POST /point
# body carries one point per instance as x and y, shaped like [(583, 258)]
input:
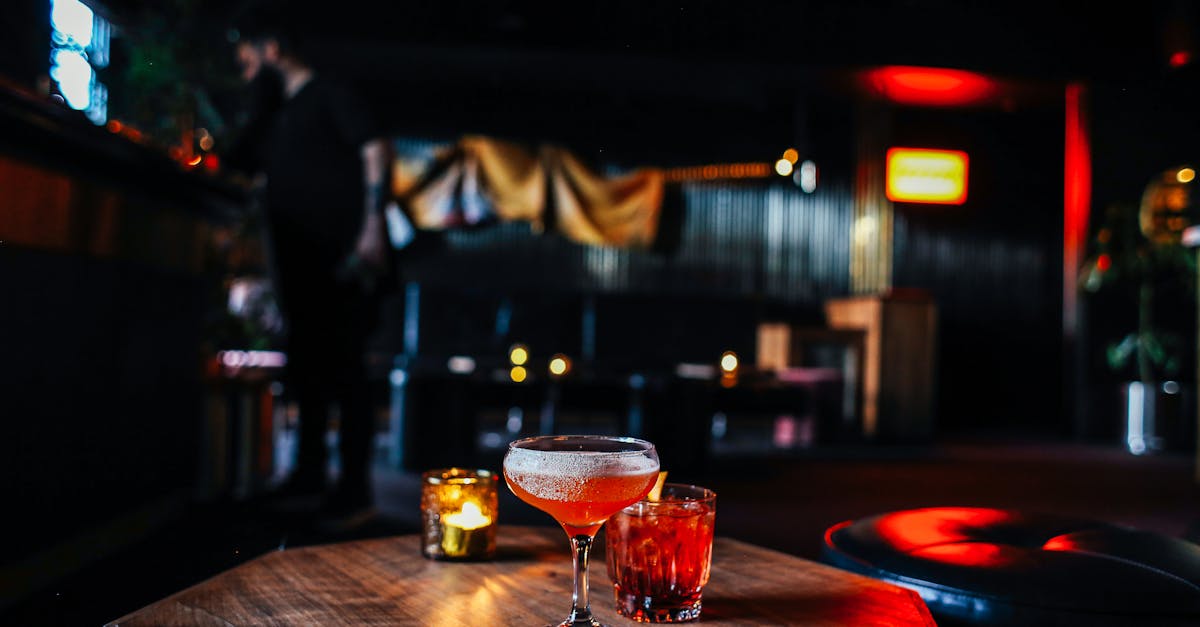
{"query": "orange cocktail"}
[(581, 504), (580, 480)]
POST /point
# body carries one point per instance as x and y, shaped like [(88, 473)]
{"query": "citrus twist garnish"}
[(656, 491)]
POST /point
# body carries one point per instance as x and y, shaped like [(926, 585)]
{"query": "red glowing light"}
[(978, 554), (930, 86), (1060, 543), (911, 530), (211, 162), (1077, 197), (834, 529), (1180, 58), (1103, 262)]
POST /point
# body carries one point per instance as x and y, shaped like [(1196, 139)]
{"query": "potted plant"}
[(176, 63), (1142, 266)]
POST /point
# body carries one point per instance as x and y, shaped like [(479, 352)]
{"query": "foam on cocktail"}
[(561, 476)]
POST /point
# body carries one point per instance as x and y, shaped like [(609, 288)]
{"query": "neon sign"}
[(925, 175)]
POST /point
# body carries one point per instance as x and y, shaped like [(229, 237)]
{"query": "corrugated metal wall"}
[(976, 274), (766, 240)]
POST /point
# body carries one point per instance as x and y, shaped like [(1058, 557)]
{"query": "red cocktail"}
[(660, 552)]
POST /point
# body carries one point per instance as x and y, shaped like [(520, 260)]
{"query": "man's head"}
[(249, 59), (266, 39)]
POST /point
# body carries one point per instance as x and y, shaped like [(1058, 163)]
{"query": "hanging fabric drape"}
[(484, 179), (591, 209)]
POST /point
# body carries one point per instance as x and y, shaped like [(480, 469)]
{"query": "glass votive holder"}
[(458, 514)]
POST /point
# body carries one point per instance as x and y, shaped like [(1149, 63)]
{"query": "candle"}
[(469, 517), (459, 509), (460, 532)]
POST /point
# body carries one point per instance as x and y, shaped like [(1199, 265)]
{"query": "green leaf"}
[(1119, 353)]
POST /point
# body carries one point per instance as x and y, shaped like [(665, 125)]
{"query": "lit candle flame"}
[(471, 517)]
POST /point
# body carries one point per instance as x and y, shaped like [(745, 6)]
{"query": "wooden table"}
[(386, 581)]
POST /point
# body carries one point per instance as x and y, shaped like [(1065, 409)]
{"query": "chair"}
[(979, 566)]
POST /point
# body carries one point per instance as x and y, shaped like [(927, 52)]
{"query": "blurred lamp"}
[(460, 364), (518, 354), (1167, 212), (729, 361), (806, 177), (560, 365)]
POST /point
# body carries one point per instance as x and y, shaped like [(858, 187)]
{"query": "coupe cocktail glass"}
[(580, 480)]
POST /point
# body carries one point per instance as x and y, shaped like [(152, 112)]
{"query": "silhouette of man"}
[(324, 167)]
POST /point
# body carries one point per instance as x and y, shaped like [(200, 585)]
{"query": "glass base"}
[(644, 609), (580, 618), (580, 623)]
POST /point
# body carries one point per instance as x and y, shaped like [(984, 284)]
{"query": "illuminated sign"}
[(927, 176)]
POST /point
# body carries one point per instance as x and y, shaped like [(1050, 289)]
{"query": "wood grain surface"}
[(386, 581)]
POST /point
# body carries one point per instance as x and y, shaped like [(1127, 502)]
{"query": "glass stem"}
[(581, 608)]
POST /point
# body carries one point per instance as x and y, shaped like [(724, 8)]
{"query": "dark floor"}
[(784, 504)]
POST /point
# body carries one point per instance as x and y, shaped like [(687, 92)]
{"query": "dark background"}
[(628, 84)]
